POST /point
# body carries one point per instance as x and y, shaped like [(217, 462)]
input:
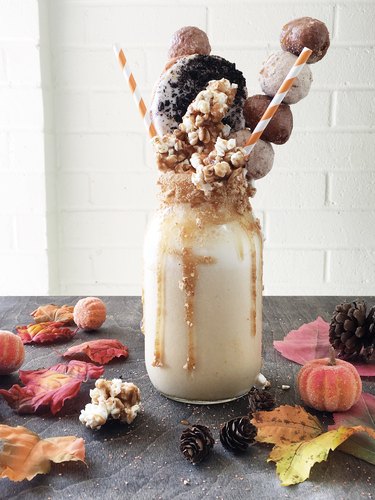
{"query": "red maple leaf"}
[(49, 387), (100, 351), (45, 333), (311, 341)]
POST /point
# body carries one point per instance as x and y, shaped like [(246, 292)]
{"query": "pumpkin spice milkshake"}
[(202, 293), (203, 260)]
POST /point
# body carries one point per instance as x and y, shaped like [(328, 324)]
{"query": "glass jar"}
[(202, 294)]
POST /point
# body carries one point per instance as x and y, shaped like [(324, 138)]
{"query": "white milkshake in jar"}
[(202, 296)]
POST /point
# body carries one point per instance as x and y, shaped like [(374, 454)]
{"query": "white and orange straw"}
[(277, 99), (128, 75)]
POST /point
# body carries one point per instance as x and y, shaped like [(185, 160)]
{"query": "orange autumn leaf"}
[(23, 454), (53, 312), (285, 424), (100, 351), (49, 388), (45, 333)]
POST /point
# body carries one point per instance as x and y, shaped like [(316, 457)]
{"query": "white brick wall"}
[(316, 206), (23, 227)]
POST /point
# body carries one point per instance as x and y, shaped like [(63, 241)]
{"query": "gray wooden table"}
[(143, 460)]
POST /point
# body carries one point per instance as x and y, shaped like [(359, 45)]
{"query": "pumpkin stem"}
[(332, 358)]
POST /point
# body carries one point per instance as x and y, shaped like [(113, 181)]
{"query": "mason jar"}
[(202, 294)]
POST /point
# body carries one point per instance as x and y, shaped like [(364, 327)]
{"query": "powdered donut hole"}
[(274, 71), (260, 161), (189, 40)]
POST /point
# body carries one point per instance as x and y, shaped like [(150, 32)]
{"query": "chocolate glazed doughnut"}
[(180, 84)]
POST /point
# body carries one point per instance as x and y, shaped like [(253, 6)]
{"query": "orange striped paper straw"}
[(277, 99), (128, 75)]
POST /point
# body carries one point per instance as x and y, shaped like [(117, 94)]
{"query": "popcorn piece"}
[(222, 169), (94, 415), (261, 382), (111, 399), (213, 103), (172, 152)]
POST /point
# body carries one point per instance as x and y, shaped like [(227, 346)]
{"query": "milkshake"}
[(202, 300), (202, 296)]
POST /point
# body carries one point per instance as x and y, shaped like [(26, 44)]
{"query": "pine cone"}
[(196, 443), (370, 348), (349, 330), (238, 434), (260, 400)]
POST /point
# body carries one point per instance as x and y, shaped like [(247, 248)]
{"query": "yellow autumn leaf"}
[(294, 461), (285, 424), (23, 454)]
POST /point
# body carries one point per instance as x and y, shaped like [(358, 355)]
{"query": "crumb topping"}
[(201, 145)]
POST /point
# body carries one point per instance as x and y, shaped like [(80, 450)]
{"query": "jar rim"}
[(177, 188)]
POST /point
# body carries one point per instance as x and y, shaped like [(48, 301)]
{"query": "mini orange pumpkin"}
[(89, 313), (12, 352), (329, 384)]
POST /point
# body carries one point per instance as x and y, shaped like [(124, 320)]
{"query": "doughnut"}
[(179, 85), (189, 40), (275, 69), (260, 161), (305, 32), (281, 125)]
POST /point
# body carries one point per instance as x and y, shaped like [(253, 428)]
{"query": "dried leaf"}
[(23, 454), (49, 388), (311, 341), (75, 369), (53, 312), (285, 424), (45, 333), (100, 351), (362, 413), (294, 461)]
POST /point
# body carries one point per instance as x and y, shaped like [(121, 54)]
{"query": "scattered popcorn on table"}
[(112, 399), (261, 382)]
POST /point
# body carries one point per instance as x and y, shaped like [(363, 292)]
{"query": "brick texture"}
[(73, 150), (23, 254)]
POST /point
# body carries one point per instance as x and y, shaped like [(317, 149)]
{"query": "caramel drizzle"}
[(190, 264), (159, 330), (260, 282), (253, 288), (253, 230)]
